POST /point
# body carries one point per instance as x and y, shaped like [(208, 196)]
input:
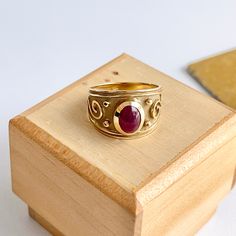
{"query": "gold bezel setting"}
[(118, 111)]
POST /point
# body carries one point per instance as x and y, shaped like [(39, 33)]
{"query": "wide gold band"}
[(124, 110)]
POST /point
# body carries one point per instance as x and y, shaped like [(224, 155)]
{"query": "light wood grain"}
[(96, 185), (184, 207), (60, 196), (50, 228), (129, 164)]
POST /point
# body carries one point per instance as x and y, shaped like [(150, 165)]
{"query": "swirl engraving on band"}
[(95, 110), (155, 108)]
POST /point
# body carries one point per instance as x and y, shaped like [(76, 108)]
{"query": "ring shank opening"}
[(125, 86)]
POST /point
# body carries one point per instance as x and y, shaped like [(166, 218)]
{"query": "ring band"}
[(125, 110)]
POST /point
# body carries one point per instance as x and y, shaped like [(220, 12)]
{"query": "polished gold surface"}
[(106, 101), (125, 86)]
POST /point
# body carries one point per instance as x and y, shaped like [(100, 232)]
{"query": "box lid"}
[(132, 172)]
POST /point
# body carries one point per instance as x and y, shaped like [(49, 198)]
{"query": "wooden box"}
[(77, 181)]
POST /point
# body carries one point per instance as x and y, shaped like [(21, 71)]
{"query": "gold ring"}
[(125, 110)]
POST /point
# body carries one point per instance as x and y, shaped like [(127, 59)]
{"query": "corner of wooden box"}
[(21, 125)]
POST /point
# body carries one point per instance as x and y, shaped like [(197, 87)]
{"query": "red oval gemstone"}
[(129, 119)]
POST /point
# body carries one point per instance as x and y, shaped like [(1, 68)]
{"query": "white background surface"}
[(45, 45)]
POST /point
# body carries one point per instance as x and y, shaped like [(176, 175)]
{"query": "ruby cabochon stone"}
[(129, 119)]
